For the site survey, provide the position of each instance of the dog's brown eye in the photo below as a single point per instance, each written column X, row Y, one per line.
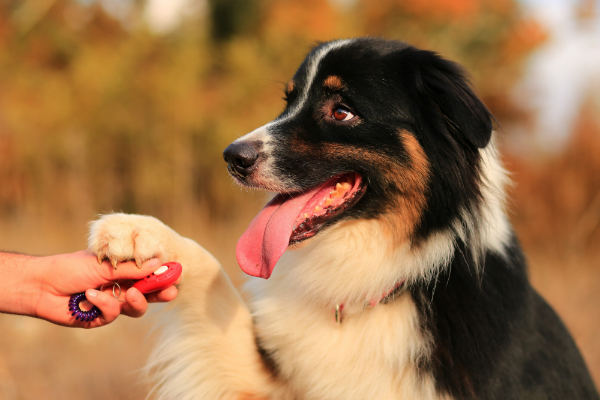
column 341, row 114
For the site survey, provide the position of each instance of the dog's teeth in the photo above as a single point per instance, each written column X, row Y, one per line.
column 334, row 194
column 338, row 186
column 328, row 202
column 317, row 209
column 346, row 186
column 305, row 215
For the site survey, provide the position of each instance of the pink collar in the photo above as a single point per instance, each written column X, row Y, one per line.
column 385, row 298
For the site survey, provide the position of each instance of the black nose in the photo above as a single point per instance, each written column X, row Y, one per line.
column 241, row 157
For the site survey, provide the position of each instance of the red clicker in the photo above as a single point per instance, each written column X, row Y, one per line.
column 160, row 279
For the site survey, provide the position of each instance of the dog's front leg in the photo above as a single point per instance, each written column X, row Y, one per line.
column 206, row 348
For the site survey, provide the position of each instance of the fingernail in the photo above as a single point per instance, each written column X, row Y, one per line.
column 136, row 296
column 91, row 293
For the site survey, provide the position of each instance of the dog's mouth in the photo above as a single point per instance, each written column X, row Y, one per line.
column 292, row 218
column 333, row 198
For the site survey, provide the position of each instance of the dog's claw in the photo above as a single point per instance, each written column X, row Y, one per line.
column 114, row 263
column 138, row 262
column 100, row 259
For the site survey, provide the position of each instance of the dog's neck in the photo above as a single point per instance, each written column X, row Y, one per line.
column 355, row 262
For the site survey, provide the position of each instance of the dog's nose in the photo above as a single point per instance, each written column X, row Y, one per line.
column 241, row 157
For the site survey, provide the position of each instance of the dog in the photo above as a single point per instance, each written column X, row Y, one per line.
column 393, row 272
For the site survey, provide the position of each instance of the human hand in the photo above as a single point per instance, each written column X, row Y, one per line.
column 63, row 275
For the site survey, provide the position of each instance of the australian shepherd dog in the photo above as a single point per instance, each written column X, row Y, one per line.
column 386, row 265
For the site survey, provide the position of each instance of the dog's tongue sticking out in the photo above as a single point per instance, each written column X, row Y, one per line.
column 269, row 233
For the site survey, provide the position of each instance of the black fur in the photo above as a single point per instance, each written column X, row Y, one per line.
column 494, row 336
column 390, row 86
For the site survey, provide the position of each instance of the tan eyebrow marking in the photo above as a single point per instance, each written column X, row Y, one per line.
column 312, row 68
column 333, row 82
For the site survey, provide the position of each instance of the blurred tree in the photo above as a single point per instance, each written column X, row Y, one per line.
column 489, row 37
column 231, row 17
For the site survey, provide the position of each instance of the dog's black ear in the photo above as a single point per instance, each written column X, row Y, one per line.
column 446, row 98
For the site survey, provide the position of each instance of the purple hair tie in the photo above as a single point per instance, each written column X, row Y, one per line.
column 80, row 314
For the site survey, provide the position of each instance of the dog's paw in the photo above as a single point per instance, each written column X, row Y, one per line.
column 124, row 237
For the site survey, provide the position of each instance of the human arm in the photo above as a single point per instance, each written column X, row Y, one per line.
column 41, row 286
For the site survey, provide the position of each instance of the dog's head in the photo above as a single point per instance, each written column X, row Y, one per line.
column 372, row 129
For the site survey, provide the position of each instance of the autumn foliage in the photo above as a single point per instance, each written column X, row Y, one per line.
column 98, row 114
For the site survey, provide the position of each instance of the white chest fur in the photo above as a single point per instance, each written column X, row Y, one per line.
column 372, row 354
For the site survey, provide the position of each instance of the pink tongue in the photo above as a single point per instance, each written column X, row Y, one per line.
column 268, row 235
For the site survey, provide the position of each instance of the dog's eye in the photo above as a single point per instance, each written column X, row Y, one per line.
column 341, row 114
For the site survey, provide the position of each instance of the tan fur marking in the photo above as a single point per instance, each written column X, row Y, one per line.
column 333, row 82
column 290, row 86
column 413, row 183
column 410, row 179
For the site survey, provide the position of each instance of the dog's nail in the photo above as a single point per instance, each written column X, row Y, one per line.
column 114, row 263
column 99, row 259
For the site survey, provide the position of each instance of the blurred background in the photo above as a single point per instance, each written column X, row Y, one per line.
column 126, row 105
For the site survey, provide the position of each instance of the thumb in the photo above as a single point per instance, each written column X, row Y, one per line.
column 109, row 307
column 135, row 303
column 128, row 270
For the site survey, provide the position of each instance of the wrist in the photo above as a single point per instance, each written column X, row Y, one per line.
column 20, row 284
column 35, row 285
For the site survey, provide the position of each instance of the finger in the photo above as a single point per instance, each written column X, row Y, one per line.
column 108, row 305
column 163, row 296
column 178, row 281
column 135, row 303
column 128, row 270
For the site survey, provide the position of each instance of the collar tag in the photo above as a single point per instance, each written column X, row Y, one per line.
column 384, row 299
column 338, row 313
